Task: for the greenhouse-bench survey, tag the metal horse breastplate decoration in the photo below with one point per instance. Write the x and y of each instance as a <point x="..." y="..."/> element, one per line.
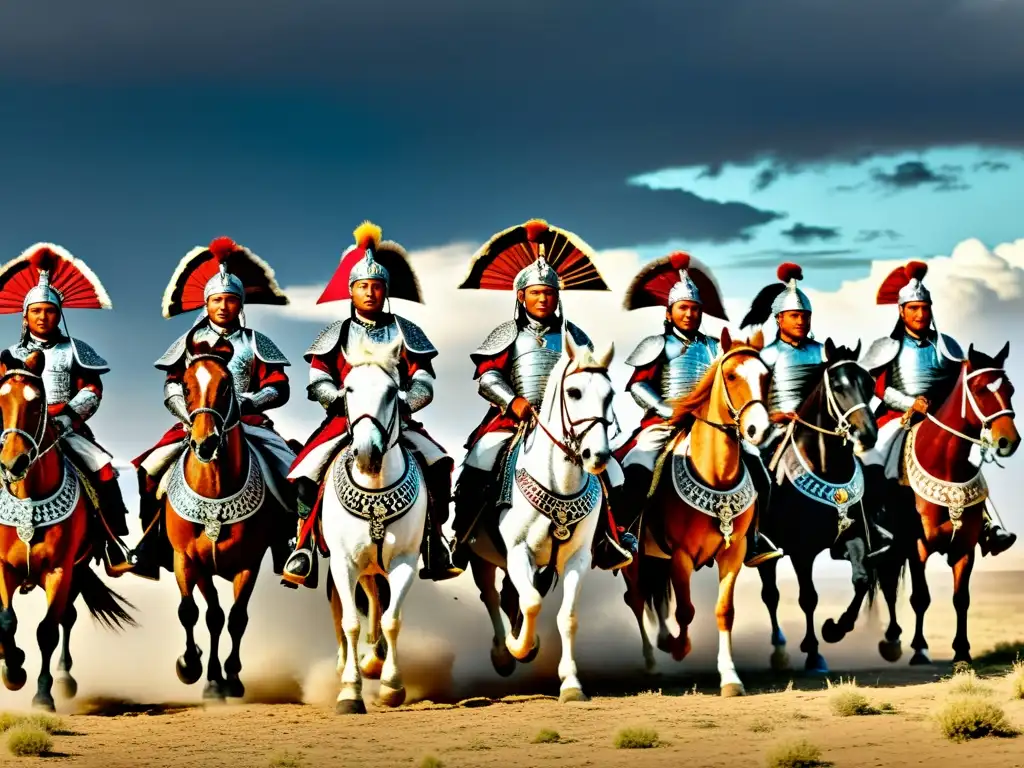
<point x="533" y="358"/>
<point x="377" y="507"/>
<point x="687" y="363"/>
<point x="726" y="506"/>
<point x="25" y="515"/>
<point x="840" y="496"/>
<point x="956" y="497"/>
<point x="213" y="514"/>
<point x="917" y="369"/>
<point x="564" y="512"/>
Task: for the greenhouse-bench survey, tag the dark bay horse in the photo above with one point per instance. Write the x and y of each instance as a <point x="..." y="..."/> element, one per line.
<point x="938" y="503"/>
<point x="703" y="504"/>
<point x="44" y="536"/>
<point x="819" y="496"/>
<point x="220" y="517"/>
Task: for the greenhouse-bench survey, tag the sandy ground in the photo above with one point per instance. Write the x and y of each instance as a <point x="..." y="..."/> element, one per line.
<point x="126" y="715"/>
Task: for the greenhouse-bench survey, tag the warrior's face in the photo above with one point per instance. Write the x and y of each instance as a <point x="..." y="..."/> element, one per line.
<point x="224" y="309"/>
<point x="540" y="301"/>
<point x="686" y="316"/>
<point x="794" y="325"/>
<point x="42" y="319"/>
<point x="368" y="296"/>
<point x="917" y="317"/>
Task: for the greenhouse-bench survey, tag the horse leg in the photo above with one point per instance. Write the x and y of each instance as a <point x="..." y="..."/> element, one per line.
<point x="889" y="647"/>
<point x="920" y="600"/>
<point x="521" y="570"/>
<point x="483" y="575"/>
<point x="730" y="561"/>
<point x="350" y="697"/>
<point x="57" y="584"/>
<point x="962" y="569"/>
<point x="67" y="684"/>
<point x="13" y="669"/>
<point x="373" y="660"/>
<point x="214" y="690"/>
<point x="637" y="602"/>
<point x="189" y="665"/>
<point x="770" y="597"/>
<point x="804" y="567"/>
<point x="834" y="631"/>
<point x="575" y="567"/>
<point x="337" y="612"/>
<point x="401" y="574"/>
<point x="682" y="571"/>
<point x="238" y="619"/>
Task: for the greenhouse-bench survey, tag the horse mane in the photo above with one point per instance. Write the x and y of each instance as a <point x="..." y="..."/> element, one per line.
<point x="688" y="406"/>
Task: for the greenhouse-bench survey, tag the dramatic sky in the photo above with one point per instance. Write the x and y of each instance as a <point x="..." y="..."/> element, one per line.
<point x="849" y="137"/>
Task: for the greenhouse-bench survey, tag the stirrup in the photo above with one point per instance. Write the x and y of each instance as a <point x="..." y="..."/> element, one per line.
<point x="298" y="579"/>
<point x="760" y="558"/>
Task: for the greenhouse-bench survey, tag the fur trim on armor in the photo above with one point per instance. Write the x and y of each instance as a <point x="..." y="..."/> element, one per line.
<point x="647" y="351"/>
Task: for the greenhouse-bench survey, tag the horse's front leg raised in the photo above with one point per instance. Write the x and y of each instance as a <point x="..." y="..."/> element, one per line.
<point x="682" y="572"/>
<point x="521" y="570"/>
<point x="13" y="669"/>
<point x="769" y="573"/>
<point x="483" y="575"/>
<point x="804" y="567"/>
<point x="730" y="562"/>
<point x="575" y="567"/>
<point x="962" y="569"/>
<point x="238" y="619"/>
<point x="189" y="665"/>
<point x="401" y="574"/>
<point x="57" y="584"/>
<point x="350" y="697"/>
<point x="834" y="631"/>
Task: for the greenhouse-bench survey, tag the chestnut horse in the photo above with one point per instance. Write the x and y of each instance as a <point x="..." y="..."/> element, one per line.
<point x="44" y="536"/>
<point x="938" y="503"/>
<point x="220" y="516"/>
<point x="704" y="503"/>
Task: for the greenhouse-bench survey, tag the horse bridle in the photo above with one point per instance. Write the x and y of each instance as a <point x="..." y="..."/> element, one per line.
<point x="35" y="453"/>
<point x="842" y="418"/>
<point x="986" y="420"/>
<point x="572" y="440"/>
<point x="736" y="414"/>
<point x="226" y="421"/>
<point x="392" y="435"/>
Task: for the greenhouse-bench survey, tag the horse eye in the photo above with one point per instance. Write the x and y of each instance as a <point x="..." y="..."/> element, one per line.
<point x="574" y="393"/>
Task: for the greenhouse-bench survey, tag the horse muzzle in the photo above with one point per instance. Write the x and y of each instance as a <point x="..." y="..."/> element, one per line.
<point x="595" y="462"/>
<point x="14" y="471"/>
<point x="206" y="449"/>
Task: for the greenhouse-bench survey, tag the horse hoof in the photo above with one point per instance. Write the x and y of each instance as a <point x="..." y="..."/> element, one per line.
<point x="920" y="659"/>
<point x="572" y="694"/>
<point x="14" y="677"/>
<point x="350" y="707"/>
<point x="504" y="663"/>
<point x="831" y="633"/>
<point x="213" y="691"/>
<point x="816" y="665"/>
<point x="664" y="644"/>
<point x="780" y="659"/>
<point x="45" y="703"/>
<point x="533" y="653"/>
<point x="890" y="650"/>
<point x="371" y="666"/>
<point x="730" y="690"/>
<point x="67" y="686"/>
<point x="188" y="670"/>
<point x="233" y="688"/>
<point x="962" y="667"/>
<point x="391" y="696"/>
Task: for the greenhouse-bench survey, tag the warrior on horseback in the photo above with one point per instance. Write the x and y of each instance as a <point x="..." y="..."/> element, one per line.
<point x="40" y="284"/>
<point x="667" y="368"/>
<point x="915" y="367"/>
<point x="796" y="361"/>
<point x="221" y="279"/>
<point x="372" y="271"/>
<point x="514" y="362"/>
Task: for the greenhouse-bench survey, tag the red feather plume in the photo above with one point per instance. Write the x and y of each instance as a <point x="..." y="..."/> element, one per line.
<point x="916" y="270"/>
<point x="222" y="248"/>
<point x="534" y="229"/>
<point x="679" y="260"/>
<point x="889" y="291"/>
<point x="74" y="280"/>
<point x="789" y="271"/>
<point x="43" y="259"/>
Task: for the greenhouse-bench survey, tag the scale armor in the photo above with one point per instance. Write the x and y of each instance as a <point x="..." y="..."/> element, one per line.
<point x="61" y="359"/>
<point x="794" y="373"/>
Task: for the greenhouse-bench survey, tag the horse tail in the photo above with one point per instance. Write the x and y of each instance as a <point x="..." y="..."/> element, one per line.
<point x="106" y="606"/>
<point x="654" y="580"/>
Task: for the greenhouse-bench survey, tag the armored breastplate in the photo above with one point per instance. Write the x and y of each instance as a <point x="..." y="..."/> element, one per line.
<point x="795" y="372"/>
<point x="241" y="362"/>
<point x="377" y="334"/>
<point x="57" y="370"/>
<point x="686" y="365"/>
<point x="918" y="370"/>
<point x="533" y="357"/>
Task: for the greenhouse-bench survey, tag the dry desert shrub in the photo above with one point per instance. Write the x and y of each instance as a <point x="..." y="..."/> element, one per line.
<point x="26" y="740"/>
<point x="795" y="754"/>
<point x="1017" y="680"/>
<point x="636" y="738"/>
<point x="546" y="736"/>
<point x="429" y="761"/>
<point x="287" y="760"/>
<point x="968" y="684"/>
<point x="846" y="700"/>
<point x="973" y="718"/>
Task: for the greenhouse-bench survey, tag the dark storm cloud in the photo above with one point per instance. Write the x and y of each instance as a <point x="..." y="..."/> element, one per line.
<point x="804" y="233"/>
<point x="991" y="165"/>
<point x="871" y="235"/>
<point x="914" y="173"/>
<point x="839" y="258"/>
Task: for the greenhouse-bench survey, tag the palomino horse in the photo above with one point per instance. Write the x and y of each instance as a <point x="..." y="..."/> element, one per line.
<point x="939" y="482"/>
<point x="44" y="538"/>
<point x="220" y="517"/>
<point x="820" y="481"/>
<point x="546" y="516"/>
<point x="704" y="502"/>
<point x="374" y="511"/>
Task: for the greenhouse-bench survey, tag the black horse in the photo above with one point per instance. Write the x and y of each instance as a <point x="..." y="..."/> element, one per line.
<point x="818" y="506"/>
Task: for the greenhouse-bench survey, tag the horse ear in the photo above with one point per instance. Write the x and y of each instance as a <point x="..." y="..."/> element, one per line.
<point x="604" y="358"/>
<point x="757" y="340"/>
<point x="856" y="351"/>
<point x="8" y="360"/>
<point x="725" y="341"/>
<point x="830" y="348"/>
<point x="571" y="349"/>
<point x="1003" y="353"/>
<point x="970" y="353"/>
<point x="35" y="362"/>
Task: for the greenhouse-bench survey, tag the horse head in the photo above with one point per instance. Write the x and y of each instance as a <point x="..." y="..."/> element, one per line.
<point x="584" y="398"/>
<point x="23" y="402"/>
<point x="209" y="391"/>
<point x="848" y="392"/>
<point x="990" y="392"/>
<point x="371" y="402"/>
<point x="744" y="384"/>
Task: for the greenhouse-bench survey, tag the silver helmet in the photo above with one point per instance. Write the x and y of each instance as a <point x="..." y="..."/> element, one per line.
<point x="685" y="289"/>
<point x="791" y="298"/>
<point x="43" y="293"/>
<point x="914" y="290"/>
<point x="537" y="273"/>
<point x="223" y="281"/>
<point x="368" y="237"/>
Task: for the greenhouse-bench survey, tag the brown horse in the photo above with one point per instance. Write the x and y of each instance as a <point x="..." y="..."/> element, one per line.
<point x="44" y="532"/>
<point x="710" y="525"/>
<point x="947" y="492"/>
<point x="219" y="515"/>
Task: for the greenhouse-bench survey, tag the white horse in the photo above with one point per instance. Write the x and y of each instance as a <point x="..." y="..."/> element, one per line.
<point x="551" y="520"/>
<point x="374" y="510"/>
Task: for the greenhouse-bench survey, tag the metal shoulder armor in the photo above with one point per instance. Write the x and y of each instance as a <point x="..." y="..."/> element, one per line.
<point x="416" y="340"/>
<point x="881" y="352"/>
<point x="266" y="350"/>
<point x="952" y="348"/>
<point x="174" y="353"/>
<point x="647" y="351"/>
<point x="87" y="357"/>
<point x="326" y="342"/>
<point x="498" y="340"/>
